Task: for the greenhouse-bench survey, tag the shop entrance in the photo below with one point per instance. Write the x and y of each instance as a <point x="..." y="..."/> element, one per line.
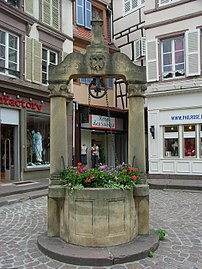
<point x="8" y="152"/>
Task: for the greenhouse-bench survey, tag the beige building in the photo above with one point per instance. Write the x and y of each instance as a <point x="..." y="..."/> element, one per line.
<point x="173" y="59"/>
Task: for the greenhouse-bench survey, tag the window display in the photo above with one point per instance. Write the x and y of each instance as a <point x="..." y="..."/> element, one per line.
<point x="171" y="141"/>
<point x="189" y="141"/>
<point x="38" y="140"/>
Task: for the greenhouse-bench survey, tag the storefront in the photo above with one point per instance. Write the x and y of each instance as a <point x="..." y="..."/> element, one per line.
<point x="108" y="133"/>
<point x="24" y="128"/>
<point x="175" y="140"/>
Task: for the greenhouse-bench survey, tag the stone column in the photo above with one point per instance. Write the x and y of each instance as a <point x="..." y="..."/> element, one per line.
<point x="59" y="95"/>
<point x="136" y="126"/>
<point x="58" y="129"/>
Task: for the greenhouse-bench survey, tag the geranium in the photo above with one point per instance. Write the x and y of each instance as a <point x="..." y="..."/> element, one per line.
<point x="120" y="177"/>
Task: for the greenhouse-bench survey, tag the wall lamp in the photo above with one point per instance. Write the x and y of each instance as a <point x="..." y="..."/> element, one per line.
<point x="152" y="131"/>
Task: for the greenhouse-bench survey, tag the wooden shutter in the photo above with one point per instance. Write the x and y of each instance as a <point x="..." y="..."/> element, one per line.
<point x="88" y="14"/>
<point x="83" y="80"/>
<point x="29" y="6"/>
<point x="127" y="6"/>
<point x="46" y="12"/>
<point x="152" y="61"/>
<point x="192" y="45"/>
<point x="28" y="58"/>
<point x="55" y="14"/>
<point x="37" y="62"/>
<point x="80" y="12"/>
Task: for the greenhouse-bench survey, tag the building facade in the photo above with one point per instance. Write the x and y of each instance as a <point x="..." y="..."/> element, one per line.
<point x="172" y="30"/>
<point x="33" y="35"/>
<point x="94" y="115"/>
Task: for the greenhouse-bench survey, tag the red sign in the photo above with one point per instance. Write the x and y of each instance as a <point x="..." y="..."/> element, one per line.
<point x="9" y="101"/>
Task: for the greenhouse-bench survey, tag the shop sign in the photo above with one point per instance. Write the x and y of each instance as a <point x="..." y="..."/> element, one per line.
<point x="9" y="101"/>
<point x="186" y="117"/>
<point x="102" y="122"/>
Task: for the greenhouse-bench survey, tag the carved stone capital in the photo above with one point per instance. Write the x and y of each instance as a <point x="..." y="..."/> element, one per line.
<point x="60" y="90"/>
<point x="136" y="90"/>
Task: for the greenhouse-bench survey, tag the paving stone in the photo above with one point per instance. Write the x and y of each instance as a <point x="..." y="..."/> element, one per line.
<point x="178" y="212"/>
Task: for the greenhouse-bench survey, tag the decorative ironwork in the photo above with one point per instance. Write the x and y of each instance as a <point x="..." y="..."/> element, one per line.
<point x="97" y="88"/>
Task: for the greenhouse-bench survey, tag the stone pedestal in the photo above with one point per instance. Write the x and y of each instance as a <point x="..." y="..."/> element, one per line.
<point x="98" y="217"/>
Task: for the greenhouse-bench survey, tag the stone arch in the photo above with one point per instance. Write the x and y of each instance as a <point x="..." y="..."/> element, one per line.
<point x="96" y="62"/>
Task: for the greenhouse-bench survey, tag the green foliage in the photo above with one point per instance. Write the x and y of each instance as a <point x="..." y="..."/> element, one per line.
<point x="161" y="233"/>
<point x="119" y="177"/>
<point x="150" y="254"/>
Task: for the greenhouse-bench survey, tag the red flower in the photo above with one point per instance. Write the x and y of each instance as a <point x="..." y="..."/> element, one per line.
<point x="87" y="180"/>
<point x="134" y="177"/>
<point x="79" y="164"/>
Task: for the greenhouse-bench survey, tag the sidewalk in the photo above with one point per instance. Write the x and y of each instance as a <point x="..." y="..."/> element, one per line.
<point x="184" y="184"/>
<point x="14" y="192"/>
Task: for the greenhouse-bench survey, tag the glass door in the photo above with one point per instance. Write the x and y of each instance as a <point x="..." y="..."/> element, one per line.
<point x="8" y="152"/>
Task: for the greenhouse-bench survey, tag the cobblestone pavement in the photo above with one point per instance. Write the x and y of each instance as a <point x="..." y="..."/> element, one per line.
<point x="178" y="212"/>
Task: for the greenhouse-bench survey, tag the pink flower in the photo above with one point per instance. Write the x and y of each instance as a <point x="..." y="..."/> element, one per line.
<point x="134" y="177"/>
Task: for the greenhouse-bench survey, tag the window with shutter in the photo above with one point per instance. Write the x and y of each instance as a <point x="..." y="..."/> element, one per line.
<point x="140" y="48"/>
<point x="88" y="14"/>
<point x="29" y="6"/>
<point x="9" y="53"/>
<point x="37" y="62"/>
<point x="165" y="2"/>
<point x="131" y="5"/>
<point x="33" y="59"/>
<point x="28" y="58"/>
<point x="51" y="13"/>
<point x="173" y="59"/>
<point x="80" y="12"/>
<point x="152" y="61"/>
<point x="48" y="58"/>
<point x="192" y="41"/>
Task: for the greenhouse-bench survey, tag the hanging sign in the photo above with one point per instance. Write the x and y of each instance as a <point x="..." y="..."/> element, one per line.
<point x="102" y="122"/>
<point x="9" y="101"/>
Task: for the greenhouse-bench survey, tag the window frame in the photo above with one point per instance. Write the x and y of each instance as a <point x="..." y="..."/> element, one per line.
<point x="168" y="2"/>
<point x="173" y="64"/>
<point x="7" y="47"/>
<point x="84" y="13"/>
<point x="48" y="63"/>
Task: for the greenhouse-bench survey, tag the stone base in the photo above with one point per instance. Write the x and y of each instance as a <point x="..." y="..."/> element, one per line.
<point x="136" y="249"/>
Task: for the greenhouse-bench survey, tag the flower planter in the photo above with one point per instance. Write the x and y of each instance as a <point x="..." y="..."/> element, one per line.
<point x="97" y="217"/>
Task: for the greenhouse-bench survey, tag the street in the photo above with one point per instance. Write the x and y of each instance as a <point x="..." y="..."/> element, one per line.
<point x="178" y="212"/>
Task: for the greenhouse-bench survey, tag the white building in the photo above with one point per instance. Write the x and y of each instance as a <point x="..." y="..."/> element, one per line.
<point x="173" y="61"/>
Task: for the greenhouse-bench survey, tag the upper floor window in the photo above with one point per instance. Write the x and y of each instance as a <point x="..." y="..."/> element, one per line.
<point x="165" y="2"/>
<point x="9" y="54"/>
<point x="180" y="56"/>
<point x="130" y="5"/>
<point x="173" y="62"/>
<point x="51" y="12"/>
<point x="84" y="13"/>
<point x="13" y="2"/>
<point x="48" y="58"/>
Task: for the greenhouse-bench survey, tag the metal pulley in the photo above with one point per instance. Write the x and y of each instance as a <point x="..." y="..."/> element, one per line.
<point x="97" y="88"/>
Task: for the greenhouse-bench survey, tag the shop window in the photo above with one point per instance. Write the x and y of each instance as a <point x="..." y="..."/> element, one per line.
<point x="173" y="61"/>
<point x="9" y="54"/>
<point x="38" y="140"/>
<point x="171" y="137"/>
<point x="48" y="58"/>
<point x="189" y="141"/>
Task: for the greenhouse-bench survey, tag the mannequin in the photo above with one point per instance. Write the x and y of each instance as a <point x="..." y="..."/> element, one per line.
<point x="38" y="146"/>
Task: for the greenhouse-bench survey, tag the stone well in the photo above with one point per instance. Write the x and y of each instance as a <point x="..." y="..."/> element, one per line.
<point x="99" y="217"/>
